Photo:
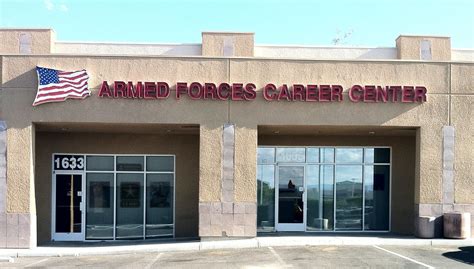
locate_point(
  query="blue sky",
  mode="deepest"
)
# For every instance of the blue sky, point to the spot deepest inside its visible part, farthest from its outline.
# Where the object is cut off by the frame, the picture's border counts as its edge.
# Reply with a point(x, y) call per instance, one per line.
point(368, 22)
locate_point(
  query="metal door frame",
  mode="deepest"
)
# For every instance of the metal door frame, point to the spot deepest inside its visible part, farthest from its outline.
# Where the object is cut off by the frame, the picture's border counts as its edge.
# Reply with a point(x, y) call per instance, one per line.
point(293, 227)
point(67, 236)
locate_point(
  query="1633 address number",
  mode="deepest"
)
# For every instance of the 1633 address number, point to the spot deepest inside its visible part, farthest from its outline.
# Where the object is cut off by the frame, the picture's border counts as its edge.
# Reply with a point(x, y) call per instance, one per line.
point(68, 162)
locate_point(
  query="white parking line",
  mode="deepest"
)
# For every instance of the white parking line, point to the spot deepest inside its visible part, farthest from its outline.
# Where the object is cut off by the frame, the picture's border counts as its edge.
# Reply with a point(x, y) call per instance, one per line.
point(154, 260)
point(404, 257)
point(278, 257)
point(37, 262)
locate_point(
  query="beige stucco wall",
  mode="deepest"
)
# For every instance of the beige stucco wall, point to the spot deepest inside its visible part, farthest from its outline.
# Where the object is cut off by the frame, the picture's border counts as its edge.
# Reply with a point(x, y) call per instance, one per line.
point(184, 147)
point(462, 118)
point(408, 47)
point(210, 171)
point(403, 167)
point(19, 87)
point(213, 43)
point(42, 40)
point(20, 191)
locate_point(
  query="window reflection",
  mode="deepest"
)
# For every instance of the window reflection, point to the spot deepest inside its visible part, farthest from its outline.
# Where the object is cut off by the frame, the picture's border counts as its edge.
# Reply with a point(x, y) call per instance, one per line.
point(377, 155)
point(312, 155)
point(265, 198)
point(290, 155)
point(327, 155)
point(377, 192)
point(265, 155)
point(349, 155)
point(100, 206)
point(349, 197)
point(328, 171)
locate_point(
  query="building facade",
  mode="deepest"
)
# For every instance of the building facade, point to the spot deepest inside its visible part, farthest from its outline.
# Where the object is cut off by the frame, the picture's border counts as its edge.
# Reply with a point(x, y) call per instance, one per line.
point(231, 139)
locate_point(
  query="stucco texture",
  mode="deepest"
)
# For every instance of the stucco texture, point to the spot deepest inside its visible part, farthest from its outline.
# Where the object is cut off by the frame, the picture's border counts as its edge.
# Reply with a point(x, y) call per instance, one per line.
point(242, 44)
point(210, 161)
point(20, 176)
point(463, 121)
point(409, 47)
point(245, 185)
point(19, 88)
point(42, 41)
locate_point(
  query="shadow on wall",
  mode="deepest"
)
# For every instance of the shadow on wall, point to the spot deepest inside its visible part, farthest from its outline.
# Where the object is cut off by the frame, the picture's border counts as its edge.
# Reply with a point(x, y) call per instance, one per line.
point(464, 255)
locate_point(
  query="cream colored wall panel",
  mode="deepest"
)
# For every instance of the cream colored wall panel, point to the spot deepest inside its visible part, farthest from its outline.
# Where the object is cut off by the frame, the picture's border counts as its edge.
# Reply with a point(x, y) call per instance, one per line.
point(434, 76)
point(260, 112)
point(462, 78)
point(19, 71)
point(19, 172)
point(210, 163)
point(35, 41)
point(430, 165)
point(463, 122)
point(18, 111)
point(245, 163)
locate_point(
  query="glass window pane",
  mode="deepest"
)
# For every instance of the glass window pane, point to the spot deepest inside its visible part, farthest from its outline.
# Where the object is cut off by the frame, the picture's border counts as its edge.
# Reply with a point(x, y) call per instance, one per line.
point(290, 155)
point(265, 155)
point(265, 198)
point(160, 163)
point(327, 187)
point(312, 155)
point(100, 163)
point(159, 205)
point(100, 206)
point(129, 206)
point(290, 194)
point(313, 194)
point(129, 163)
point(348, 155)
point(349, 197)
point(377, 196)
point(320, 202)
point(68, 212)
point(327, 155)
point(377, 155)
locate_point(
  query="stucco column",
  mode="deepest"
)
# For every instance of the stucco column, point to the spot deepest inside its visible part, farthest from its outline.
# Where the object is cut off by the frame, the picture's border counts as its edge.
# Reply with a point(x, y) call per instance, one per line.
point(227, 190)
point(210, 174)
point(20, 203)
point(246, 176)
point(429, 175)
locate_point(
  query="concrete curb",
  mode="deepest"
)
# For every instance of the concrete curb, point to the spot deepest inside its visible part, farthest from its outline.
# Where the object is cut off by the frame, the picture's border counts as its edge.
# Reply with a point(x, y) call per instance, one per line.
point(280, 241)
point(6, 259)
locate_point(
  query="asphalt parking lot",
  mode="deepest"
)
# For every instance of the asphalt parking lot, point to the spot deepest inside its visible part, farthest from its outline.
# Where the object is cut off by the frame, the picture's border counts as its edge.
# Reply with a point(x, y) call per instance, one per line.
point(271, 257)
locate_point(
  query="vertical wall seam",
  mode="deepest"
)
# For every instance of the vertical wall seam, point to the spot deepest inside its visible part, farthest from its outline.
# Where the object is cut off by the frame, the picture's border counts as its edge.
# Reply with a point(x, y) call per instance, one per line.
point(450, 92)
point(3, 170)
point(228, 81)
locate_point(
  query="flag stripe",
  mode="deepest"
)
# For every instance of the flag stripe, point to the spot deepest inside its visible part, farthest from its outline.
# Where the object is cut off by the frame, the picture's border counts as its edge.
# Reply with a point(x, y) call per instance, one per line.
point(55, 85)
point(61, 91)
point(60, 99)
point(72, 77)
point(68, 73)
point(63, 96)
point(63, 85)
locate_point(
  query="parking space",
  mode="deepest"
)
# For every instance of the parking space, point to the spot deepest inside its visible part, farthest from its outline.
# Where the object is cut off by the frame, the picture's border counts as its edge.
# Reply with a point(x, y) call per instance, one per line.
point(271, 257)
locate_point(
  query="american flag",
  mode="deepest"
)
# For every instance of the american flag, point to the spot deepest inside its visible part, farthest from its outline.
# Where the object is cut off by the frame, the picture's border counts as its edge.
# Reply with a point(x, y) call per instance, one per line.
point(56, 86)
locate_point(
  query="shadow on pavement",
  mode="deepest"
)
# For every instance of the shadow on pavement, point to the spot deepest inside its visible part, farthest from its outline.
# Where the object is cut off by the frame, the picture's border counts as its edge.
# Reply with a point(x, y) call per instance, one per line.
point(464, 255)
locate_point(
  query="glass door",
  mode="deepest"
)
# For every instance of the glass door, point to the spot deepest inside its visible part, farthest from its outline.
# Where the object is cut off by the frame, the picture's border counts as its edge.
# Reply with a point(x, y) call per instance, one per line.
point(291, 206)
point(67, 207)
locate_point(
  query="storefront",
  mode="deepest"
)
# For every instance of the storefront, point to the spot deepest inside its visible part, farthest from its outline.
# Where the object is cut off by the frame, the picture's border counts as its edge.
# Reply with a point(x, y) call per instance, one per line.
point(323, 189)
point(230, 139)
point(123, 197)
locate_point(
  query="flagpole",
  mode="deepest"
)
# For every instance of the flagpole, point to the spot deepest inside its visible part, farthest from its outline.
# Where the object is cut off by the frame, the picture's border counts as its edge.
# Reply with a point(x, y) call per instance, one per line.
point(71, 208)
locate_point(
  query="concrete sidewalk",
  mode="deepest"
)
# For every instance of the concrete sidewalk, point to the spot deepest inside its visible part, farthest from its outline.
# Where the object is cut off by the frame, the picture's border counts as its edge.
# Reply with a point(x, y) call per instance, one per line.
point(105, 248)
